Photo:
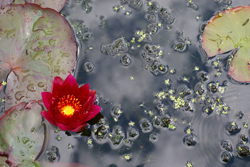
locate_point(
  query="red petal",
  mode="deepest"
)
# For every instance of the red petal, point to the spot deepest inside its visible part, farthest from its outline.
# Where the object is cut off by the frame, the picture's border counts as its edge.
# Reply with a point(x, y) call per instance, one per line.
point(63, 127)
point(79, 128)
point(75, 91)
point(71, 80)
point(49, 117)
point(56, 86)
point(74, 125)
point(66, 89)
point(47, 98)
point(60, 118)
point(93, 111)
point(84, 90)
point(92, 94)
point(86, 106)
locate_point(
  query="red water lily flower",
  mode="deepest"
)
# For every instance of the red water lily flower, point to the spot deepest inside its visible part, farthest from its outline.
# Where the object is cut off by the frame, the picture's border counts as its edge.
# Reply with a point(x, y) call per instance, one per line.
point(69, 107)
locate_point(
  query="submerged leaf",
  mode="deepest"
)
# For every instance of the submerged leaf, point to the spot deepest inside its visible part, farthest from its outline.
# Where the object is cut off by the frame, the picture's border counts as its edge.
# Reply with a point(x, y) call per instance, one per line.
point(22, 133)
point(35, 46)
point(229, 30)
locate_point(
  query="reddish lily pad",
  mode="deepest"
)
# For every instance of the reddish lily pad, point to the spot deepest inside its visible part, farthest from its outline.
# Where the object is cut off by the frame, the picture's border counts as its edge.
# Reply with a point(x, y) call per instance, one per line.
point(22, 133)
point(5, 2)
point(53, 4)
point(58, 164)
point(229, 30)
point(35, 46)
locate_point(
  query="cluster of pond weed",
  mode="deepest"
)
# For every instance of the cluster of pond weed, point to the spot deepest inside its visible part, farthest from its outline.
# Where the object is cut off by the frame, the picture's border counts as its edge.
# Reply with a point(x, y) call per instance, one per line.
point(199, 92)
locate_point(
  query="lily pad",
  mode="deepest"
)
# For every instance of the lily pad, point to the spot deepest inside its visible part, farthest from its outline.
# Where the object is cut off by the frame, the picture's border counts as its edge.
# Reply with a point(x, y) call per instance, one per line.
point(229, 30)
point(5, 2)
point(35, 46)
point(58, 164)
point(22, 133)
point(54, 4)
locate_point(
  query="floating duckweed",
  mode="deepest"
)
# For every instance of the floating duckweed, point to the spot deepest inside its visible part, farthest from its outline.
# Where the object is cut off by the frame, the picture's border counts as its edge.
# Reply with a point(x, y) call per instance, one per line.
point(131, 123)
point(189, 131)
point(244, 138)
point(4, 83)
point(119, 45)
point(150, 18)
point(190, 140)
point(189, 164)
point(196, 68)
point(232, 128)
point(167, 82)
point(166, 15)
point(243, 150)
point(127, 157)
point(116, 8)
point(87, 6)
point(146, 125)
point(192, 5)
point(226, 156)
point(172, 71)
point(132, 133)
point(226, 145)
point(165, 121)
point(193, 100)
point(180, 46)
point(52, 154)
point(153, 138)
point(89, 67)
point(136, 4)
point(245, 124)
point(153, 28)
point(171, 126)
point(128, 13)
point(116, 137)
point(240, 115)
point(153, 7)
point(100, 134)
point(212, 87)
point(202, 76)
point(89, 142)
point(58, 138)
point(161, 95)
point(70, 146)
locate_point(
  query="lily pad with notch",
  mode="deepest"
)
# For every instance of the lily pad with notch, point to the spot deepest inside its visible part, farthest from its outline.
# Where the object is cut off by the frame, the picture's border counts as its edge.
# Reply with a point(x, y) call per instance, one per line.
point(36, 45)
point(226, 31)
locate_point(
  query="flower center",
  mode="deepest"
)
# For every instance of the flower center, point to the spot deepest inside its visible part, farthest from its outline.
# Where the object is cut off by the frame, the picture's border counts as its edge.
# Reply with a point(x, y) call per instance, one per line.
point(67, 105)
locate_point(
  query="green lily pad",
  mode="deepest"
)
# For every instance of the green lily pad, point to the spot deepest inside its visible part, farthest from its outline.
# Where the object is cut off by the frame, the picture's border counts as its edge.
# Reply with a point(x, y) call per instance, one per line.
point(35, 46)
point(22, 133)
point(229, 30)
point(54, 4)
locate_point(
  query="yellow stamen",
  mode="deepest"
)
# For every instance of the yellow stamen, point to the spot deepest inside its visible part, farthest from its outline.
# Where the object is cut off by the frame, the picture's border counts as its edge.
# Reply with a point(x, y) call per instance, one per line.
point(68, 110)
point(68, 105)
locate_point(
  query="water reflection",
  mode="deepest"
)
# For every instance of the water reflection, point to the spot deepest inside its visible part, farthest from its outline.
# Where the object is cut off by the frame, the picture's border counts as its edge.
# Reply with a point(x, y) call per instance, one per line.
point(167, 118)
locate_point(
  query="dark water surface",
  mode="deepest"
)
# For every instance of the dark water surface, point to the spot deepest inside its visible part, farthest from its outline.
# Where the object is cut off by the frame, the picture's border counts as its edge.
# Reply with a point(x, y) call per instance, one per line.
point(195, 119)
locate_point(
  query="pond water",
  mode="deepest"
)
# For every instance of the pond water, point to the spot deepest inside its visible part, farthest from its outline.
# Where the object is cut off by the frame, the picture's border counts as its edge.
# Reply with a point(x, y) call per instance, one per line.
point(165, 104)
